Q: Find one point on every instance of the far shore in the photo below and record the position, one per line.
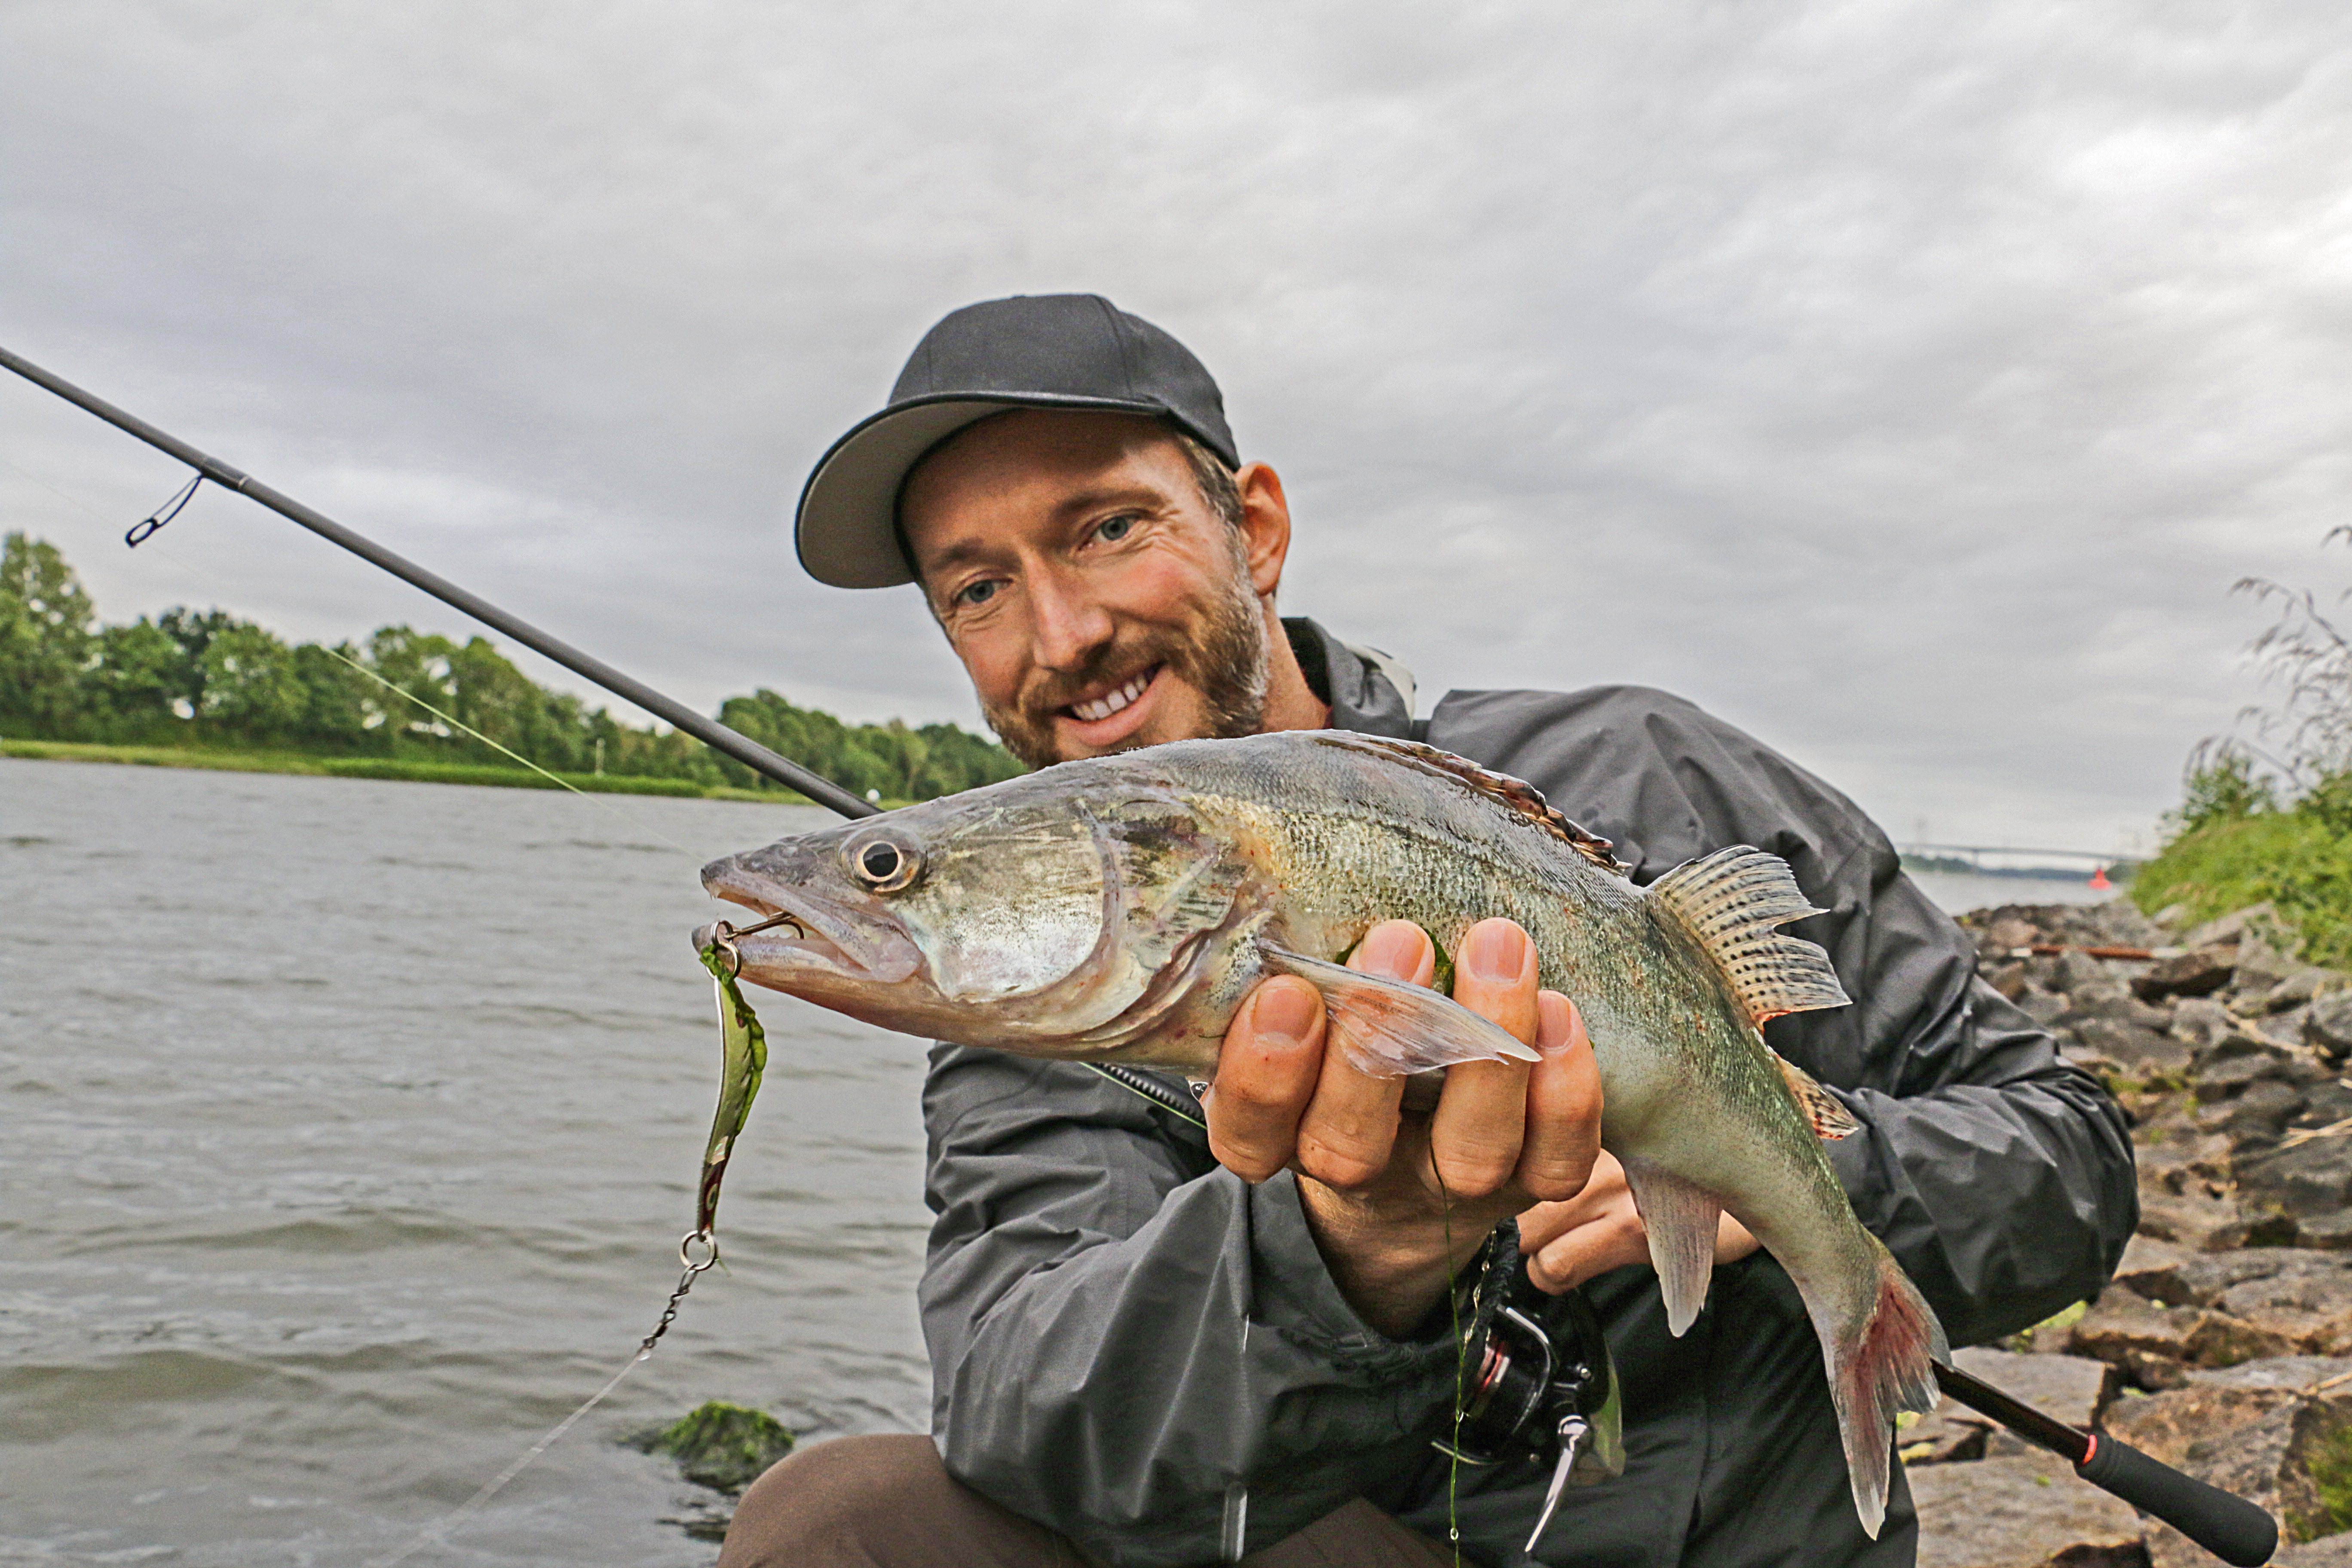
(400, 769)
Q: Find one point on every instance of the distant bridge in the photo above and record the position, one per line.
(2030, 855)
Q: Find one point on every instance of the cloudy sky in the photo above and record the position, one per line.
(1909, 383)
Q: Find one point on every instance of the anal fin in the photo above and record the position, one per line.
(1390, 1029)
(1682, 1220)
(1823, 1111)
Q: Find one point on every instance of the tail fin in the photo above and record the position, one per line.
(1879, 1364)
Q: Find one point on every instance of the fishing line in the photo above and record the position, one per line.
(1460, 1354)
(438, 1532)
(614, 812)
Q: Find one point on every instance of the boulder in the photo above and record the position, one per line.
(2199, 972)
(2025, 1513)
(2200, 1280)
(2193, 1218)
(2303, 985)
(2044, 1007)
(2327, 1551)
(2229, 928)
(2308, 1179)
(2151, 1269)
(2260, 965)
(2139, 1051)
(2156, 1347)
(2202, 1022)
(2327, 1028)
(723, 1447)
(2008, 933)
(2310, 1308)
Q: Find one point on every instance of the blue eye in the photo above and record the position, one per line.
(977, 594)
(1115, 528)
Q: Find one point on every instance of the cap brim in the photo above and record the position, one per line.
(846, 529)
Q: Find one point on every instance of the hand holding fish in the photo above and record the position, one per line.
(1501, 1134)
(1600, 1229)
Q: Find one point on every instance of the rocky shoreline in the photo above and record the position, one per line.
(2224, 1345)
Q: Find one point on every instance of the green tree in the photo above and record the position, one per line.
(45, 640)
(252, 690)
(142, 682)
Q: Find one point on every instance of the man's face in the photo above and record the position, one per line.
(1097, 600)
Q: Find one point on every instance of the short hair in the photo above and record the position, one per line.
(1216, 481)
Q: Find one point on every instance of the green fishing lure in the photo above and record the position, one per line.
(744, 1047)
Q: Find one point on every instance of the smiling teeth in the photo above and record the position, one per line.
(1103, 707)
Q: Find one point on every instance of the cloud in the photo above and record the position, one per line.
(1906, 382)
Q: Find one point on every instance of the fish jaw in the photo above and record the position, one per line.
(828, 939)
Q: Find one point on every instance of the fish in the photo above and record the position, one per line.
(1120, 908)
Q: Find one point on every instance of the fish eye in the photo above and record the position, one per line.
(884, 865)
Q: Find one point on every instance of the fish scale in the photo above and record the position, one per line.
(1120, 908)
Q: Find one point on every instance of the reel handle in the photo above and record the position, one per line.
(2229, 1527)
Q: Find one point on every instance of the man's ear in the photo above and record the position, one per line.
(1265, 526)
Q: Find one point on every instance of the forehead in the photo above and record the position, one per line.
(1013, 473)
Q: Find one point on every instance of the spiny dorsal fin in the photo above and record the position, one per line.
(1830, 1118)
(1730, 901)
(1515, 794)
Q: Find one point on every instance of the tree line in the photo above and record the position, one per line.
(204, 677)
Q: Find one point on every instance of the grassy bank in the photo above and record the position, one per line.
(2295, 859)
(395, 768)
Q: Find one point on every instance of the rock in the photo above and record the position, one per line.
(2151, 1269)
(2044, 1007)
(2229, 927)
(2202, 1279)
(2148, 1345)
(2025, 1513)
(2009, 932)
(2274, 1462)
(2328, 1026)
(2079, 972)
(2009, 979)
(2328, 1552)
(2331, 1232)
(2141, 1052)
(2202, 1022)
(2260, 965)
(2313, 1178)
(2312, 1376)
(2237, 1061)
(720, 1446)
(1949, 1434)
(2070, 1387)
(2193, 1219)
(2171, 916)
(2303, 985)
(2312, 1309)
(2199, 972)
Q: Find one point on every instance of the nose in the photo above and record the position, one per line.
(1068, 625)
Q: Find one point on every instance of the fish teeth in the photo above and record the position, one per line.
(1103, 707)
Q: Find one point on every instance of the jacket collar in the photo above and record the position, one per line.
(1362, 697)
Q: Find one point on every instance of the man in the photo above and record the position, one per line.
(1157, 1342)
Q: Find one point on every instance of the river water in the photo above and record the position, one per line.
(347, 1130)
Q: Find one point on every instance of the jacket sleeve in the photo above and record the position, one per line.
(1128, 1343)
(1999, 1174)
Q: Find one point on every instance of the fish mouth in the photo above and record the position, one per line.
(818, 936)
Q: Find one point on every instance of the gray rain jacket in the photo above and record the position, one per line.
(1125, 1337)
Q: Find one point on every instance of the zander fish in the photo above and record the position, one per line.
(1120, 908)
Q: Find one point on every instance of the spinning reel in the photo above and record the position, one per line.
(1536, 1381)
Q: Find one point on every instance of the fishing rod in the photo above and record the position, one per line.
(2232, 1528)
(710, 731)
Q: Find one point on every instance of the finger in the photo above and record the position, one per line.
(1590, 1250)
(1348, 1128)
(1482, 1117)
(1563, 1115)
(1266, 1072)
(1603, 1189)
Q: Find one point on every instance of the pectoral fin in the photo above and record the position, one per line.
(1388, 1028)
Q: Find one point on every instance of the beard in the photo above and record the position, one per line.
(1222, 656)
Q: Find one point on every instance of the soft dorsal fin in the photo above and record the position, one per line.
(1518, 794)
(1730, 901)
(1830, 1119)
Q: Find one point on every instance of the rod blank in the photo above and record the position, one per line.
(710, 731)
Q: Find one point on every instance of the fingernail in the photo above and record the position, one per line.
(1495, 951)
(1557, 1032)
(1390, 949)
(1284, 1013)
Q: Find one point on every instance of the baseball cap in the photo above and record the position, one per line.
(1032, 350)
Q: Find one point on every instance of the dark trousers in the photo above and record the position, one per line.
(888, 1502)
